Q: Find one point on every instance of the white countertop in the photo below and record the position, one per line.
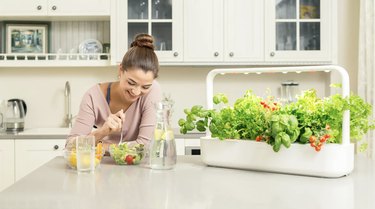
(190, 185)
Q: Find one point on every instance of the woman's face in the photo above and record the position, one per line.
(134, 82)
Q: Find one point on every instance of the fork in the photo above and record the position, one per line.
(120, 142)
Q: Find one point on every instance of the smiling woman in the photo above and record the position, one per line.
(125, 106)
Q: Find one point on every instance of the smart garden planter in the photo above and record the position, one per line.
(334, 160)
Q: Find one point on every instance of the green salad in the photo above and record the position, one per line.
(308, 120)
(125, 155)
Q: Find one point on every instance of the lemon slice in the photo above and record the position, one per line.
(158, 133)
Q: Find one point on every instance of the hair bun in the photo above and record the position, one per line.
(143, 40)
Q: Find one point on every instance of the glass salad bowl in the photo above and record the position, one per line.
(123, 154)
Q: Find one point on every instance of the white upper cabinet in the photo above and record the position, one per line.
(300, 31)
(243, 30)
(160, 18)
(203, 31)
(55, 7)
(223, 31)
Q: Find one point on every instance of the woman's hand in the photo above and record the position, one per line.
(114, 122)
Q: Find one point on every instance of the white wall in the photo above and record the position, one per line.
(43, 90)
(348, 34)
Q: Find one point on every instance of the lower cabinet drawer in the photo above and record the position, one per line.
(31, 154)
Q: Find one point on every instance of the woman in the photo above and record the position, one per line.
(126, 105)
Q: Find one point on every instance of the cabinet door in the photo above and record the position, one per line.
(160, 18)
(203, 31)
(180, 146)
(298, 30)
(243, 30)
(79, 7)
(32, 153)
(6, 163)
(23, 7)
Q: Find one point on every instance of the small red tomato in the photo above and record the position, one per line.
(312, 139)
(317, 148)
(258, 138)
(129, 159)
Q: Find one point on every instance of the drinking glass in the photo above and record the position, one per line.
(85, 151)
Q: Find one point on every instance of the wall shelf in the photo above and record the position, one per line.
(54, 60)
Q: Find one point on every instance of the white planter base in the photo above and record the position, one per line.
(334, 160)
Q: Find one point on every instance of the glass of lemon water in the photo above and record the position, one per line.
(85, 151)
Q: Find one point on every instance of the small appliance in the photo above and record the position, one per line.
(3, 108)
(15, 115)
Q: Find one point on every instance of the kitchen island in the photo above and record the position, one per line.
(191, 184)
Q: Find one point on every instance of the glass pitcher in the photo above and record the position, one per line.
(289, 91)
(163, 146)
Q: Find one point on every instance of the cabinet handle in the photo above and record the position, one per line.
(56, 147)
(39, 7)
(54, 8)
(272, 54)
(175, 54)
(231, 54)
(216, 54)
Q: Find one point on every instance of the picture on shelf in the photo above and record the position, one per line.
(31, 38)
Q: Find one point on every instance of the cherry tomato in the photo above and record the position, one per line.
(129, 160)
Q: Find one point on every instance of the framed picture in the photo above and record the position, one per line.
(30, 38)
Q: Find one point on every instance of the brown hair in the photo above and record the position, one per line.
(142, 55)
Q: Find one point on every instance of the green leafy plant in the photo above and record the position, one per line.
(308, 120)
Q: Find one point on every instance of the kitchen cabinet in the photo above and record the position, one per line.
(6, 163)
(70, 23)
(230, 31)
(180, 146)
(160, 18)
(32, 153)
(55, 8)
(192, 146)
(300, 30)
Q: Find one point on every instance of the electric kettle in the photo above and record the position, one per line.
(3, 108)
(15, 115)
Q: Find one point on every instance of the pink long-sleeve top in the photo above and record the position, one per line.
(140, 117)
